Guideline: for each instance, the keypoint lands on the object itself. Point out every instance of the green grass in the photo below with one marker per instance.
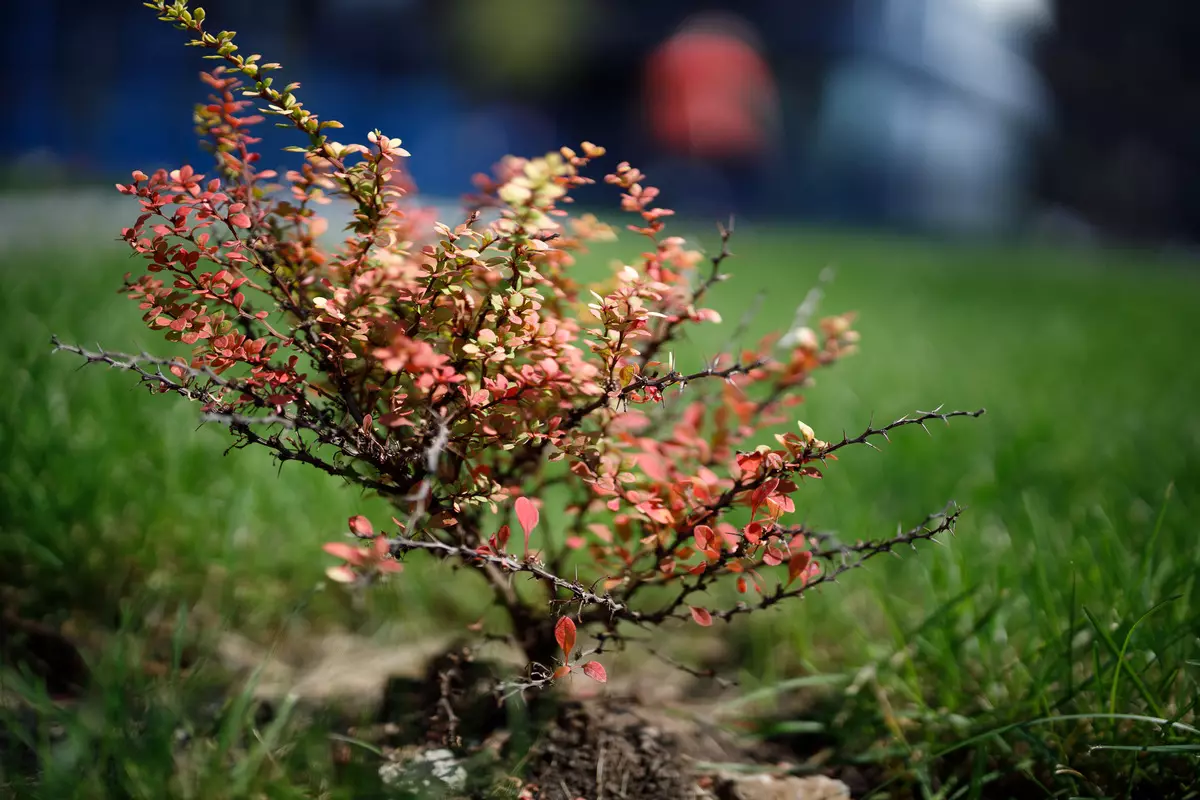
(1069, 592)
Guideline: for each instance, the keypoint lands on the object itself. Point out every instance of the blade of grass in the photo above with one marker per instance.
(1138, 683)
(1148, 557)
(1112, 696)
(1071, 634)
(1149, 748)
(767, 692)
(1159, 721)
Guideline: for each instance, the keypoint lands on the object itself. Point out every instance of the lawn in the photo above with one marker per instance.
(1064, 615)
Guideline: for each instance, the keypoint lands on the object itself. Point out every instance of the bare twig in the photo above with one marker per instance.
(919, 418)
(654, 345)
(511, 564)
(927, 530)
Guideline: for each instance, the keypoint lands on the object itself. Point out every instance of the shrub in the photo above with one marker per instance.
(461, 373)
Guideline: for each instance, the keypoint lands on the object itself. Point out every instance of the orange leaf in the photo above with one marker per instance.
(562, 672)
(564, 634)
(595, 671)
(702, 617)
(797, 564)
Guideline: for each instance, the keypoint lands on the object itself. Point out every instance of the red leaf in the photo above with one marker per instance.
(527, 516)
(562, 672)
(595, 671)
(240, 220)
(564, 634)
(798, 564)
(361, 526)
(760, 495)
(702, 617)
(703, 535)
(502, 537)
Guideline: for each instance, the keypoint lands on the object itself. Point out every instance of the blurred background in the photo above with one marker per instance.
(1010, 193)
(1064, 117)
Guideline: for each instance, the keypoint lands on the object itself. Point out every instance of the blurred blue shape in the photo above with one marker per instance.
(28, 65)
(926, 118)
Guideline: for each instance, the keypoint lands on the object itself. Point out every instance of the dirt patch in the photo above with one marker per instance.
(653, 732)
(619, 748)
(339, 670)
(605, 751)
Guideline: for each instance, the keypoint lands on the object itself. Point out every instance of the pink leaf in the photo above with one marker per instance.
(602, 532)
(361, 526)
(346, 552)
(703, 536)
(527, 516)
(702, 617)
(575, 542)
(564, 634)
(595, 671)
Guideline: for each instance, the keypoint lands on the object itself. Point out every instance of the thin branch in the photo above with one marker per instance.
(932, 526)
(283, 452)
(714, 277)
(133, 363)
(920, 418)
(511, 564)
(641, 383)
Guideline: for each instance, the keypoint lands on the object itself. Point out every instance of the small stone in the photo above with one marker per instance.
(787, 787)
(391, 773)
(444, 767)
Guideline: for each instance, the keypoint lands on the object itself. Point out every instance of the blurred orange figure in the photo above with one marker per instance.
(710, 93)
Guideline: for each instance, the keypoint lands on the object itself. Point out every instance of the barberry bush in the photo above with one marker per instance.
(459, 371)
